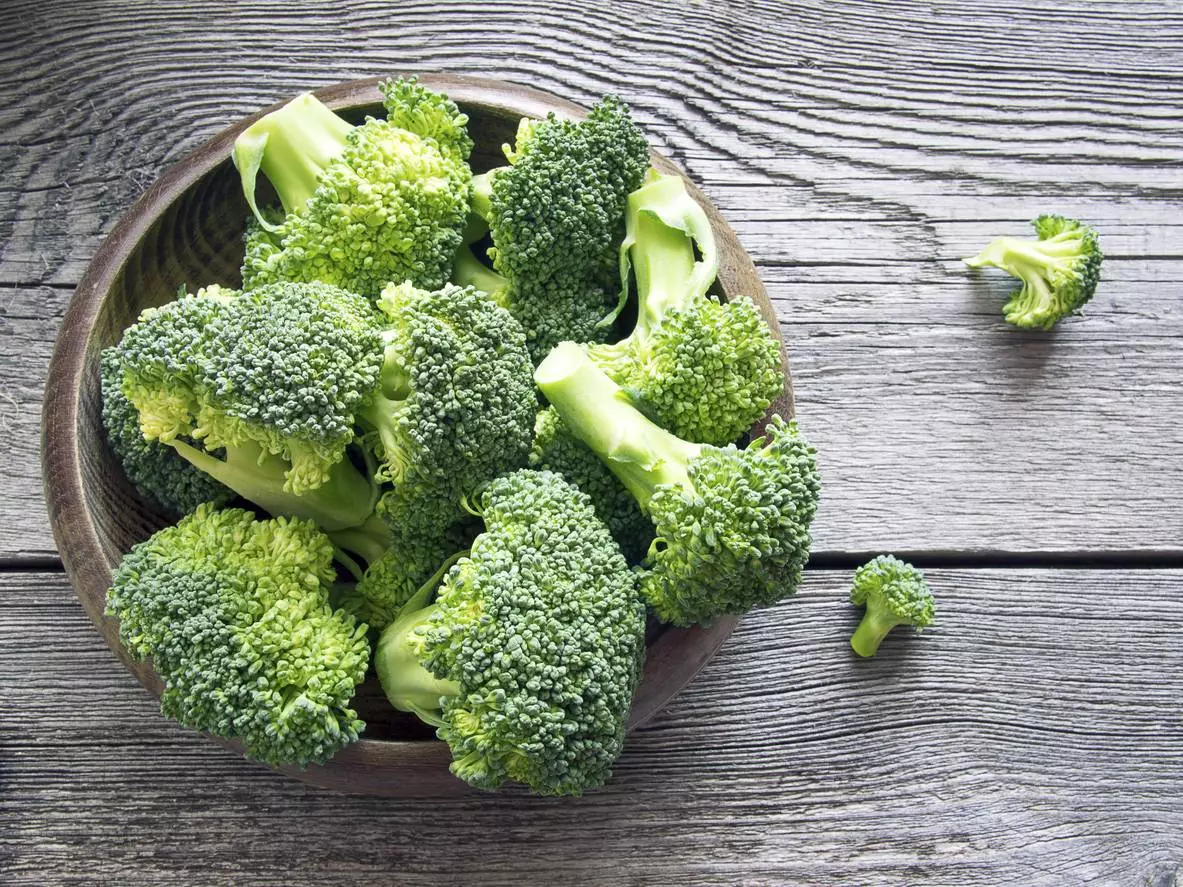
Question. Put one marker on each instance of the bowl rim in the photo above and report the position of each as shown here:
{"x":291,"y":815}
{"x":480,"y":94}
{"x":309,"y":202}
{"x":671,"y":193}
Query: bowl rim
{"x":404,"y":768}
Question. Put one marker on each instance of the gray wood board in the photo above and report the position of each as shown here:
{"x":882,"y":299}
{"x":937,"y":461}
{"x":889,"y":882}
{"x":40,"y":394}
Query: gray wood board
{"x":1034,"y":736}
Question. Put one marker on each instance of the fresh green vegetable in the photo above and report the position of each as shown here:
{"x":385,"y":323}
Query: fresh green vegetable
{"x":234,"y":614}
{"x":894,"y":593}
{"x":556,"y":217}
{"x":732,"y":525}
{"x":556,"y":449}
{"x":363,"y":205}
{"x":269,"y":383}
{"x":1059,"y":270}
{"x":702,"y":369}
{"x":528,"y":657}
{"x":154,"y":469}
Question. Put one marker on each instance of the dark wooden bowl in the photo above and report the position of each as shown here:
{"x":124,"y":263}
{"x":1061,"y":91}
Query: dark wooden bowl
{"x":187,"y":229}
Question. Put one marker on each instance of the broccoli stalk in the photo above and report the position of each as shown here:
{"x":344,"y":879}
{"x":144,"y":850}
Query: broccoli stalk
{"x":1059,"y":270}
{"x":894,"y":593}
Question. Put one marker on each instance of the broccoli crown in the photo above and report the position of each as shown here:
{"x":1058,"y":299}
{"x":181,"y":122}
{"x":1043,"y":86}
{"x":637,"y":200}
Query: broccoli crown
{"x":1059,"y":270}
{"x":456,"y":402}
{"x":365,"y":205}
{"x":894,"y":593}
{"x":533,"y":645}
{"x":556,"y":217}
{"x":154,"y":469}
{"x":731,"y":525}
{"x":283,"y":367}
{"x":234,"y":614}
{"x":556,"y":449}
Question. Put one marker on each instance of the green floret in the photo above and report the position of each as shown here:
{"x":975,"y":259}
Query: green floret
{"x":528,"y":658}
{"x":894,"y":593}
{"x":363,"y":205}
{"x":702,"y":369}
{"x":1059,"y":270}
{"x":732,"y":526}
{"x":154,"y":469}
{"x":234,"y":614}
{"x":269,"y":383}
{"x":556,"y":218}
{"x":557,"y":449}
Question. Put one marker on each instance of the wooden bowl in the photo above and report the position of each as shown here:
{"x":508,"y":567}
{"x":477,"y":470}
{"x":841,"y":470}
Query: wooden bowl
{"x":187,"y":229}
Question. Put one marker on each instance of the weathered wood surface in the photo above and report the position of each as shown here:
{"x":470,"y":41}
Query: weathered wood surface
{"x":1033,"y":737}
{"x":858,"y":152}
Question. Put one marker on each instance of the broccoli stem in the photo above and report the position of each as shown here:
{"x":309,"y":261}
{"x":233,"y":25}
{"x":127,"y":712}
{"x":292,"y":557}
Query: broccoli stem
{"x":468,"y":270}
{"x":346,"y":500}
{"x":292,"y":147}
{"x":598,"y":412}
{"x":482,"y":195}
{"x":368,"y":540}
{"x":871,"y":631}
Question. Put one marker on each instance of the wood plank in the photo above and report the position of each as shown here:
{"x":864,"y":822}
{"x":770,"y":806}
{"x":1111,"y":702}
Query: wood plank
{"x":1034,"y":736}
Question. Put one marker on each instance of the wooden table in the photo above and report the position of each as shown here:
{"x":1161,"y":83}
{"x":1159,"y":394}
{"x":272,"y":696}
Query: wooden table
{"x":1035,"y":736}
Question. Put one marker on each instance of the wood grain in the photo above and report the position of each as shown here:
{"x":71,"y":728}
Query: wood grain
{"x":1033,"y":737}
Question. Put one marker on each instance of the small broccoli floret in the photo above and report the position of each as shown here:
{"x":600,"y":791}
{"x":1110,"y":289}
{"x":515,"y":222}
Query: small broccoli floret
{"x":363,"y":205}
{"x":269,"y":383}
{"x":894,"y":593}
{"x":528,"y":658}
{"x":732,"y":526}
{"x":556,"y":218}
{"x":1059,"y":270}
{"x":557,"y":449}
{"x":702,"y":369}
{"x":154,"y":469}
{"x":234,"y":614}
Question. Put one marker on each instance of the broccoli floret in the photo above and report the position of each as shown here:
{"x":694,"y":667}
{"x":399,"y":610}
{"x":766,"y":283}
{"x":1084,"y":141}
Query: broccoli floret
{"x":269,"y":383}
{"x":154,"y":469}
{"x":556,"y":217}
{"x":894,"y":593}
{"x":702,"y":369}
{"x":732,"y":526}
{"x":1059,"y":270}
{"x":556,"y":449}
{"x":234,"y":614}
{"x":364,"y":205}
{"x":528,"y":658}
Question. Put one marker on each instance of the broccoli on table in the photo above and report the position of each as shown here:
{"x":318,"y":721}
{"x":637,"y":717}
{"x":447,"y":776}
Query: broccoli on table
{"x":555,"y":214}
{"x":704,"y":370}
{"x":234,"y":614}
{"x":527,"y":654}
{"x":894,"y":593}
{"x":363,"y":205}
{"x":157,"y":472}
{"x":731,"y":526}
{"x":1059,"y":270}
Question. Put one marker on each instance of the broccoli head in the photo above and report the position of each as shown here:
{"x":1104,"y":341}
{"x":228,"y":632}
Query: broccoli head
{"x":157,"y":472}
{"x":556,"y":218}
{"x":1059,"y":270}
{"x":234,"y":614}
{"x":268,"y":382}
{"x":894,"y":593}
{"x":529,"y":655}
{"x":732,"y":526}
{"x":363,"y":205}
{"x":702,"y":369}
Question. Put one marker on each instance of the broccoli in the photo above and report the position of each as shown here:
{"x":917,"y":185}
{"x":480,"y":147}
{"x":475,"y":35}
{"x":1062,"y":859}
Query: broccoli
{"x":894,"y":593}
{"x":528,"y":658}
{"x":702,"y":369}
{"x":556,"y":449}
{"x":234,"y":614}
{"x":1059,"y":270}
{"x":269,"y":383}
{"x":364,"y":205}
{"x":156,"y":471}
{"x":732,"y":525}
{"x":556,"y":217}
